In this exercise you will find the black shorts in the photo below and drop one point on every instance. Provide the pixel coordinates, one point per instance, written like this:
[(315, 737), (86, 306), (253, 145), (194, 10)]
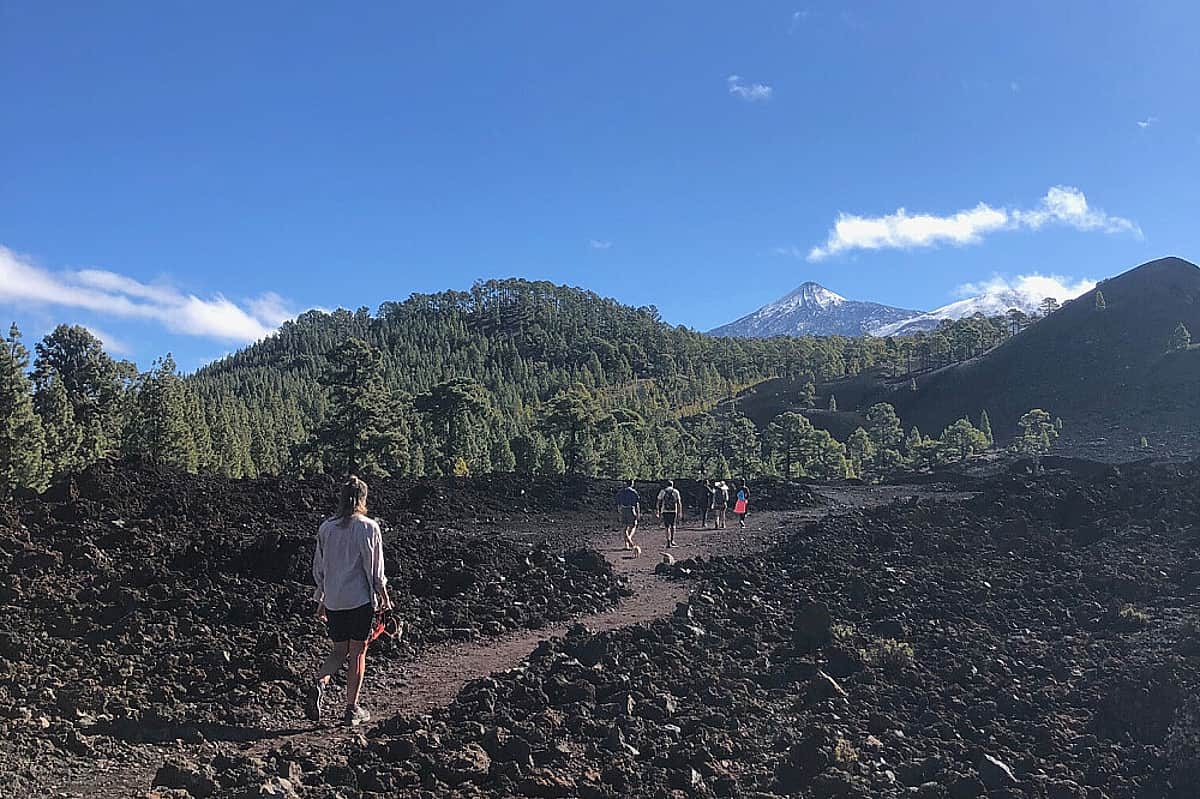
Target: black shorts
[(350, 625), (668, 518)]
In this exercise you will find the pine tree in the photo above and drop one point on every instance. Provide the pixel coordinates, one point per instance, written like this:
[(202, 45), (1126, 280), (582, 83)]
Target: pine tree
[(785, 437), (1037, 433), (832, 403), (62, 435), (961, 440), (575, 415), (883, 426), (160, 431), (527, 452), (457, 410), (361, 433), (503, 459), (1100, 302), (861, 451), (985, 425), (22, 444), (552, 460), (95, 386), (1181, 338)]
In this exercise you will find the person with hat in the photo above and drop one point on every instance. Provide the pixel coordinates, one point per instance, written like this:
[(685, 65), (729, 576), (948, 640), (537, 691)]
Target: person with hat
[(720, 503)]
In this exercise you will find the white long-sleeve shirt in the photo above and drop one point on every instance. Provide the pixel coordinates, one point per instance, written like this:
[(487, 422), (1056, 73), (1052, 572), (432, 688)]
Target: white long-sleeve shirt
[(348, 563)]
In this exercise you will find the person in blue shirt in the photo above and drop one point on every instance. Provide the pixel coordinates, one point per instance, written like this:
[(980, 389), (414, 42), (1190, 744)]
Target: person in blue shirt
[(629, 508)]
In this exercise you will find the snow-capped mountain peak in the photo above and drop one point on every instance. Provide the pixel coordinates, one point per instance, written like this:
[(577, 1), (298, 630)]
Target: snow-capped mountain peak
[(814, 310), (808, 295)]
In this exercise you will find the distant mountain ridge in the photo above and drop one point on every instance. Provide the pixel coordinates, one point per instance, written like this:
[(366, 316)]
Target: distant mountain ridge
[(993, 304), (813, 310)]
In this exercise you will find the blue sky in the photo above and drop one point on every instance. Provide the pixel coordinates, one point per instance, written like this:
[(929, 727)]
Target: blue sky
[(183, 176)]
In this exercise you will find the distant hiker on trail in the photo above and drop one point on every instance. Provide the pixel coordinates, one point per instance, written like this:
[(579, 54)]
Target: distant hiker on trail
[(670, 508), (629, 507), (351, 586), (706, 497), (720, 503), (741, 505)]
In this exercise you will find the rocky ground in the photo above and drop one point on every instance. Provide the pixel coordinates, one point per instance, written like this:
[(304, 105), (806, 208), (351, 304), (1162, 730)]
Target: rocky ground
[(145, 606), (1039, 640)]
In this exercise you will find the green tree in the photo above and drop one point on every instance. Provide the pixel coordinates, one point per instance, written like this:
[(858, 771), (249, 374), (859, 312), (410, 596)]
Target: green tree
[(1100, 302), (159, 430), (823, 456), (575, 415), (527, 452), (861, 451), (1048, 306), (361, 432), (22, 444), (1037, 433), (985, 426), (95, 386), (832, 403), (1181, 338), (785, 437), (457, 409), (961, 440), (61, 434), (503, 459), (552, 462), (883, 426)]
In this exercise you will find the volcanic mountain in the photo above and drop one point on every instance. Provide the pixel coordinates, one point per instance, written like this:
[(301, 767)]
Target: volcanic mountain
[(1108, 368), (813, 310)]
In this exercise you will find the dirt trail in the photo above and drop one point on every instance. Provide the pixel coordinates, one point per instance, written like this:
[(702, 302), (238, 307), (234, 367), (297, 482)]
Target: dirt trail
[(434, 679)]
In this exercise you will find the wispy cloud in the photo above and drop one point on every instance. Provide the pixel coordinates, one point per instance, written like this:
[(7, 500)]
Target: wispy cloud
[(599, 244), (1147, 122), (750, 92), (1062, 205), (1014, 87), (1033, 287), (798, 19), (111, 343), (116, 295)]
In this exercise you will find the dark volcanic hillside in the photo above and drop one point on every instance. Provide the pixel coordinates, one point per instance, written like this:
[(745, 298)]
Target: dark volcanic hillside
[(1108, 372)]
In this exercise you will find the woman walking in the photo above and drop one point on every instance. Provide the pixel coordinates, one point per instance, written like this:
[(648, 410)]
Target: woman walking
[(351, 586)]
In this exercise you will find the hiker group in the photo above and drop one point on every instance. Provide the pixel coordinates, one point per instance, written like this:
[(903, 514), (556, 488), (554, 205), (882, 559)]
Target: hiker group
[(713, 499)]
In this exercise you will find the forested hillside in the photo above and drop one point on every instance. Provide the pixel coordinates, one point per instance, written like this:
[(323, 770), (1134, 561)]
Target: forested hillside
[(510, 376)]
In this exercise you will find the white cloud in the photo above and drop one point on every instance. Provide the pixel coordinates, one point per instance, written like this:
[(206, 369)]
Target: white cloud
[(599, 244), (1061, 205), (1147, 122), (111, 343), (752, 92), (116, 295), (1033, 287)]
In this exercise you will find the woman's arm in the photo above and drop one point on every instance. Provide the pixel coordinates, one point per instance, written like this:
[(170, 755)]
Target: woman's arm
[(373, 563), (318, 572)]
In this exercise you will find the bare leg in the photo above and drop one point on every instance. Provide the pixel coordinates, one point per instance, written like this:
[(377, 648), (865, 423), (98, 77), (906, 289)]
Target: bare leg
[(334, 662), (358, 667)]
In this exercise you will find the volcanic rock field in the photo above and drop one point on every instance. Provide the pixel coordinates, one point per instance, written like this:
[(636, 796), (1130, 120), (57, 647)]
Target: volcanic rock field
[(1037, 635)]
